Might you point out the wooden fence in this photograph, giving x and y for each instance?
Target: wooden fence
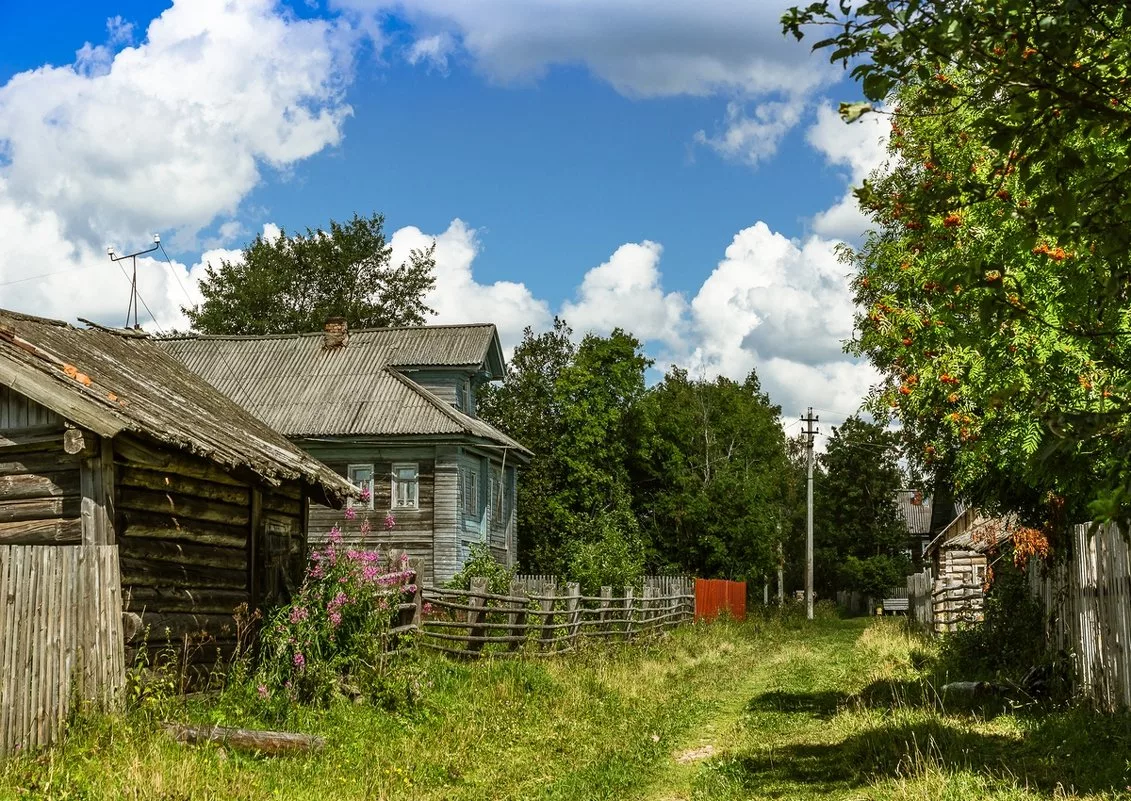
(920, 600)
(60, 638)
(1087, 603)
(539, 615)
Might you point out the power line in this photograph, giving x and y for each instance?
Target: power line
(43, 275)
(224, 359)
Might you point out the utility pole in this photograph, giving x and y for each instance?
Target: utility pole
(781, 570)
(810, 431)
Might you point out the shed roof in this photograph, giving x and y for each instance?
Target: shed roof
(915, 509)
(973, 531)
(360, 389)
(113, 381)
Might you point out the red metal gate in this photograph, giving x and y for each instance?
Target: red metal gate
(713, 596)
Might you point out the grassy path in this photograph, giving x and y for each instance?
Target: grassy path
(762, 710)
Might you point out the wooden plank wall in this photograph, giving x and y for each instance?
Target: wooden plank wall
(184, 535)
(18, 412)
(60, 634)
(413, 532)
(1088, 604)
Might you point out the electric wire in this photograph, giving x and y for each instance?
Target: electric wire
(223, 358)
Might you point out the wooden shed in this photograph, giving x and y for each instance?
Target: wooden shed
(109, 446)
(959, 559)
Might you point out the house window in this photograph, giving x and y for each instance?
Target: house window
(361, 476)
(498, 496)
(470, 481)
(406, 486)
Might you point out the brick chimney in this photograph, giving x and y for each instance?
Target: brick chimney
(335, 333)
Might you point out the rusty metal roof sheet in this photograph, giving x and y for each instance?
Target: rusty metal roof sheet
(113, 381)
(360, 389)
(915, 508)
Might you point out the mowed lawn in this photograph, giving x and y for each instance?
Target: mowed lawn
(837, 709)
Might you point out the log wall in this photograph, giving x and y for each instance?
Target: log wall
(39, 482)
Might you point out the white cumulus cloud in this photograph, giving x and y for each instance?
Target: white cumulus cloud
(859, 147)
(163, 136)
(458, 297)
(627, 292)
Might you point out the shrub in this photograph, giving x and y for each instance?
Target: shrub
(481, 564)
(331, 638)
(611, 554)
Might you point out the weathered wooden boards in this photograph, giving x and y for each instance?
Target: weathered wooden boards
(60, 632)
(539, 614)
(265, 742)
(40, 501)
(1088, 604)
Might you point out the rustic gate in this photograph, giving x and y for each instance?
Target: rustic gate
(713, 596)
(60, 638)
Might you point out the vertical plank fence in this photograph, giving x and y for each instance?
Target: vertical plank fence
(1087, 602)
(60, 638)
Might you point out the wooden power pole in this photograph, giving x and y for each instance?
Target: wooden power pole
(810, 431)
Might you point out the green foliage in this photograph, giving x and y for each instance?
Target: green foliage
(331, 639)
(993, 288)
(863, 536)
(710, 477)
(575, 407)
(1009, 642)
(481, 564)
(294, 283)
(610, 554)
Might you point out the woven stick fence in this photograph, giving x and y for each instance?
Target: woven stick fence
(540, 616)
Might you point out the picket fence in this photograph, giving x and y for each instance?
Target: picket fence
(540, 615)
(1087, 601)
(60, 638)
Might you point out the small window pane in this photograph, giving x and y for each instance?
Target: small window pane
(361, 476)
(470, 492)
(406, 484)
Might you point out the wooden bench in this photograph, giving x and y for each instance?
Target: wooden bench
(894, 605)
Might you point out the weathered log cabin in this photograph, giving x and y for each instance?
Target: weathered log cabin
(394, 411)
(105, 439)
(960, 558)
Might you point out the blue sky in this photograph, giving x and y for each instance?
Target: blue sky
(671, 168)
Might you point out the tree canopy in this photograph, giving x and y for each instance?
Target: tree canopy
(994, 289)
(294, 283)
(710, 477)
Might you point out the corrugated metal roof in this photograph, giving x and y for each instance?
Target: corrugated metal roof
(915, 508)
(111, 381)
(301, 389)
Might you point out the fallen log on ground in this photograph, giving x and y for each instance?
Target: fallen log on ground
(267, 742)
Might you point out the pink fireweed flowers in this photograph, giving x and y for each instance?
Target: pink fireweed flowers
(366, 494)
(335, 537)
(300, 661)
(390, 522)
(350, 513)
(366, 527)
(299, 614)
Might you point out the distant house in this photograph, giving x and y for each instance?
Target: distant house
(106, 440)
(394, 411)
(959, 559)
(915, 509)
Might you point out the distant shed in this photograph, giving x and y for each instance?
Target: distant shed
(106, 440)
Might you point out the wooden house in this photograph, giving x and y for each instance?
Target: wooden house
(394, 411)
(959, 559)
(106, 440)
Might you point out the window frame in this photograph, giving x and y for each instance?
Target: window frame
(351, 502)
(467, 471)
(394, 482)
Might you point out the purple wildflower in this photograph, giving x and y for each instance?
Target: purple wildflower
(263, 692)
(336, 533)
(366, 527)
(351, 513)
(300, 661)
(299, 614)
(390, 522)
(335, 619)
(366, 494)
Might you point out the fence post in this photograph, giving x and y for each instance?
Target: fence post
(573, 606)
(475, 616)
(646, 609)
(418, 596)
(548, 591)
(517, 618)
(606, 598)
(628, 599)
